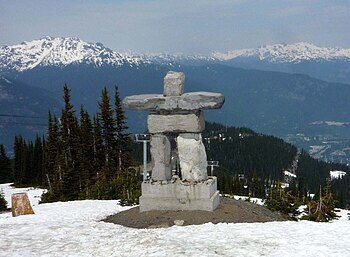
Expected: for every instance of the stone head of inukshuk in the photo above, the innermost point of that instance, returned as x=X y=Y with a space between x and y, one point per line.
x=176 y=113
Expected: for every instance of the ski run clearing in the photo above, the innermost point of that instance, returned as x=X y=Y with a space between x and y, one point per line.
x=75 y=229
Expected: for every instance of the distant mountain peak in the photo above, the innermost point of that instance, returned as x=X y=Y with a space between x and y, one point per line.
x=172 y=59
x=287 y=53
x=61 y=51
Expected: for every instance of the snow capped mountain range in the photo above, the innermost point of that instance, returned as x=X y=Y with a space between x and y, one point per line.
x=171 y=59
x=61 y=52
x=288 y=53
x=51 y=51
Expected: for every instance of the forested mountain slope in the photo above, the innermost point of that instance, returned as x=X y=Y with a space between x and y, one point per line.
x=250 y=163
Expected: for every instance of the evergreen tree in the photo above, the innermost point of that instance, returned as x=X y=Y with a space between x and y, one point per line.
x=123 y=138
x=257 y=186
x=69 y=142
x=19 y=163
x=108 y=129
x=98 y=149
x=6 y=174
x=86 y=153
x=51 y=171
x=37 y=162
x=63 y=176
x=130 y=187
x=237 y=186
x=322 y=210
x=284 y=201
x=28 y=161
x=3 y=202
x=28 y=165
x=43 y=164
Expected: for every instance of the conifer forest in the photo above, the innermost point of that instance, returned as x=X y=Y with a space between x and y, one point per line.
x=81 y=157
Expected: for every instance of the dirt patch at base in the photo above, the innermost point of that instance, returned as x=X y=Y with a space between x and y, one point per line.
x=229 y=211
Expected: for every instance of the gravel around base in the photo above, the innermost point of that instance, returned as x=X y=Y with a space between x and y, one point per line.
x=229 y=211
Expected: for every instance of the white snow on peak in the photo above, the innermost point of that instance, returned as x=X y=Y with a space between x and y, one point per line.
x=60 y=51
x=178 y=58
x=282 y=53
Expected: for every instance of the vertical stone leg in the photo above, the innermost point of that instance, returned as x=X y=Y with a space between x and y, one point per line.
x=160 y=153
x=192 y=156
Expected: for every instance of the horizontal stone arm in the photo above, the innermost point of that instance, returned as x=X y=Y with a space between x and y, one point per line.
x=186 y=102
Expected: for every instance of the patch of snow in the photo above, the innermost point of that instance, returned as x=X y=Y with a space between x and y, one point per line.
x=318 y=149
x=258 y=201
x=336 y=123
x=338 y=153
x=331 y=123
x=289 y=174
x=34 y=194
x=284 y=185
x=6 y=80
x=318 y=122
x=337 y=174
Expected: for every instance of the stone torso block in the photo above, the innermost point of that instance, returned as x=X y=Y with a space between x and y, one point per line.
x=192 y=122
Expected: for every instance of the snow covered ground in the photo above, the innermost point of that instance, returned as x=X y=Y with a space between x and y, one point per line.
x=74 y=229
x=34 y=194
x=252 y=199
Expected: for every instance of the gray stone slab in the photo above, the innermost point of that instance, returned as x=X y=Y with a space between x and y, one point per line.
x=193 y=158
x=193 y=122
x=161 y=159
x=196 y=136
x=185 y=102
x=180 y=196
x=174 y=83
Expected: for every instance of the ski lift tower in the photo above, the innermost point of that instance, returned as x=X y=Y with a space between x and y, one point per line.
x=213 y=164
x=145 y=138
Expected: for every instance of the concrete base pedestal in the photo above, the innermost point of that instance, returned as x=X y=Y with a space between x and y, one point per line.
x=178 y=195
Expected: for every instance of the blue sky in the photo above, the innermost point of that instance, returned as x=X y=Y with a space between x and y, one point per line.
x=178 y=26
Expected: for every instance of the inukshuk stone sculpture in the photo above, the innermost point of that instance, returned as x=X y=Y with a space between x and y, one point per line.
x=177 y=113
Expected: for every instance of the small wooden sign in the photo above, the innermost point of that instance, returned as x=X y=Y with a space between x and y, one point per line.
x=21 y=205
